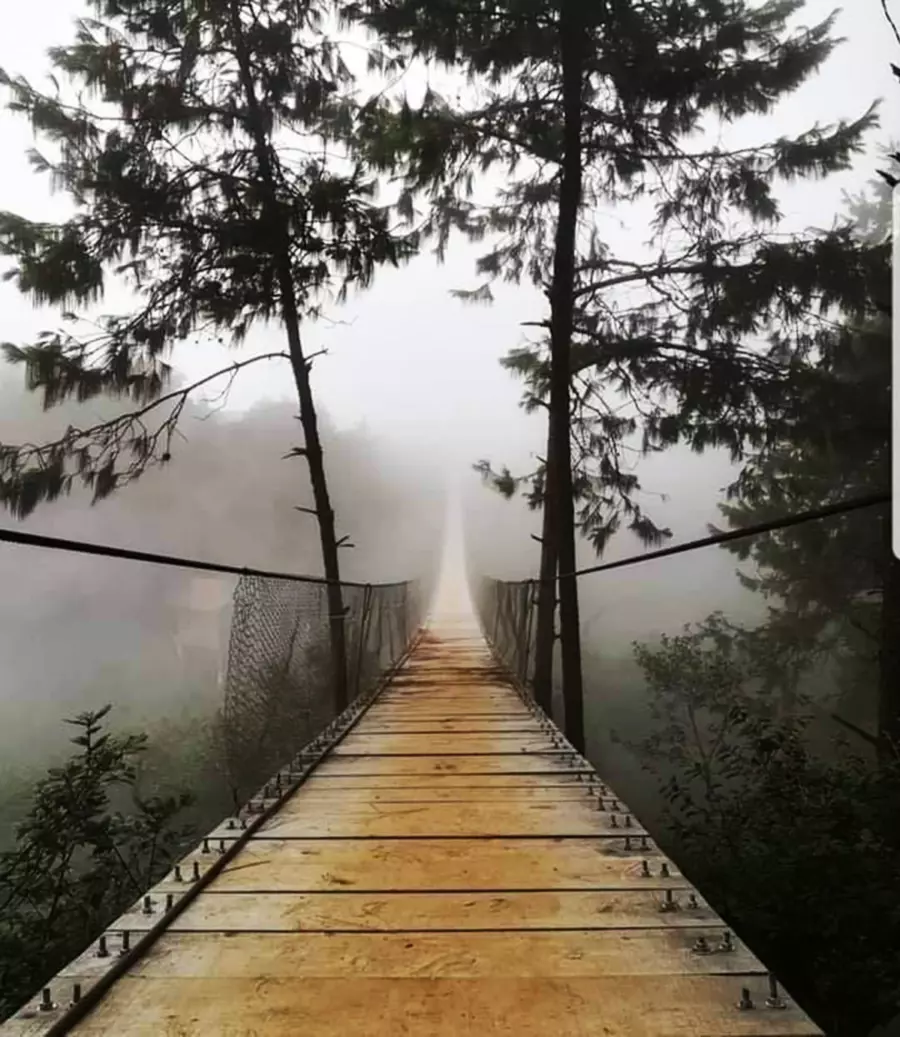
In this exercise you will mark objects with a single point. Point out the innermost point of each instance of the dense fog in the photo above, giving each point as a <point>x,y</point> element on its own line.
<point>78,631</point>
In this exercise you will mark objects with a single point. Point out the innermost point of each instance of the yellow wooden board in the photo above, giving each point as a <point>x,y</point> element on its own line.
<point>615,1006</point>
<point>442,780</point>
<point>423,744</point>
<point>439,864</point>
<point>498,725</point>
<point>330,792</point>
<point>390,912</point>
<point>514,763</point>
<point>424,820</point>
<point>464,955</point>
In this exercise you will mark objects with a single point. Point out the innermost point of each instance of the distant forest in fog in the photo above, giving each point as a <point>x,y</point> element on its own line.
<point>78,631</point>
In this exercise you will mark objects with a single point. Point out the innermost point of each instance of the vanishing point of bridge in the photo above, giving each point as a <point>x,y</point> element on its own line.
<point>438,862</point>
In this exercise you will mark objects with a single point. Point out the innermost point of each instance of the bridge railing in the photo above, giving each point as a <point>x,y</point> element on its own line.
<point>215,680</point>
<point>278,689</point>
<point>743,697</point>
<point>506,612</point>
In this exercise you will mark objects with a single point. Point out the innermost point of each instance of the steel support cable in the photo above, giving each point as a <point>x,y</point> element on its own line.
<point>15,536</point>
<point>855,504</point>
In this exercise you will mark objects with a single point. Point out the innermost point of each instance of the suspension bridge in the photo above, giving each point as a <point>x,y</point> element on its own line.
<point>437,861</point>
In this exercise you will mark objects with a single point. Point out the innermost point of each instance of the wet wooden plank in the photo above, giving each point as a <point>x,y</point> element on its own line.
<point>423,744</point>
<point>465,955</point>
<point>441,780</point>
<point>404,912</point>
<point>615,1006</point>
<point>424,820</point>
<point>334,791</point>
<point>402,724</point>
<point>422,864</point>
<point>514,763</point>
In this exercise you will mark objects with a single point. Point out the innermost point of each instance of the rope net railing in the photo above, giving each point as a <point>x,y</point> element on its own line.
<point>279,684</point>
<point>183,693</point>
<point>507,614</point>
<point>743,697</point>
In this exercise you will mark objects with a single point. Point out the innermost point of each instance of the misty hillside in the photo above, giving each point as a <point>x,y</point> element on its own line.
<point>77,631</point>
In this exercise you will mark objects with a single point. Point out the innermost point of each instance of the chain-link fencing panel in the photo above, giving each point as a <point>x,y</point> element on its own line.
<point>183,693</point>
<point>280,685</point>
<point>744,700</point>
<point>506,612</point>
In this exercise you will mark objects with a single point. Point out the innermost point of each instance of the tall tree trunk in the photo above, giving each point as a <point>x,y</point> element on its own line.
<point>300,366</point>
<point>889,654</point>
<point>561,319</point>
<point>544,638</point>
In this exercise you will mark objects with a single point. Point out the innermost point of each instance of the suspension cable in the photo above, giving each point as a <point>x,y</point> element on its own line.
<point>15,536</point>
<point>854,504</point>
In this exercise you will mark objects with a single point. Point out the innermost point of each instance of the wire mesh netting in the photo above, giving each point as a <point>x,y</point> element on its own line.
<point>744,700</point>
<point>506,613</point>
<point>139,704</point>
<point>279,687</point>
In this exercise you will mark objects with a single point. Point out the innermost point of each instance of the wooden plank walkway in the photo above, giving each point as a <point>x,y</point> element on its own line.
<point>449,867</point>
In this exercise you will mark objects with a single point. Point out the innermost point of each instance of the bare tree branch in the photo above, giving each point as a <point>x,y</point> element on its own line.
<point>32,472</point>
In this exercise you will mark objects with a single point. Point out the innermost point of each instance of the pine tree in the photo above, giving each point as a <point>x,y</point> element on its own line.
<point>834,586</point>
<point>173,149</point>
<point>653,75</point>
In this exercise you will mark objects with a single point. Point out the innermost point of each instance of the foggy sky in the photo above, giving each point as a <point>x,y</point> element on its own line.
<point>410,361</point>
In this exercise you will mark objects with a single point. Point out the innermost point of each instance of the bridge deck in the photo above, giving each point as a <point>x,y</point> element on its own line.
<point>444,870</point>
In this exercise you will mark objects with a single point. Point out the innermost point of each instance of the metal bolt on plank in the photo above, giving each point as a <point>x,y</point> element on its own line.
<point>727,943</point>
<point>76,993</point>
<point>148,905</point>
<point>47,1002</point>
<point>102,949</point>
<point>126,942</point>
<point>645,869</point>
<point>196,874</point>
<point>669,903</point>
<point>664,871</point>
<point>701,946</point>
<point>774,1000</point>
<point>746,1002</point>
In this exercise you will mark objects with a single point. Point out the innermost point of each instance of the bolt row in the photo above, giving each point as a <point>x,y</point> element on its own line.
<point>745,1004</point>
<point>774,1000</point>
<point>272,790</point>
<point>724,946</point>
<point>664,871</point>
<point>670,903</point>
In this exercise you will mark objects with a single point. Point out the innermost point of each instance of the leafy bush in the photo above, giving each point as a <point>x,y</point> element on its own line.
<point>798,849</point>
<point>88,847</point>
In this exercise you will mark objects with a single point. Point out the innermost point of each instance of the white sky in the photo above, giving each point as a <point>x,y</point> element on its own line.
<point>410,361</point>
